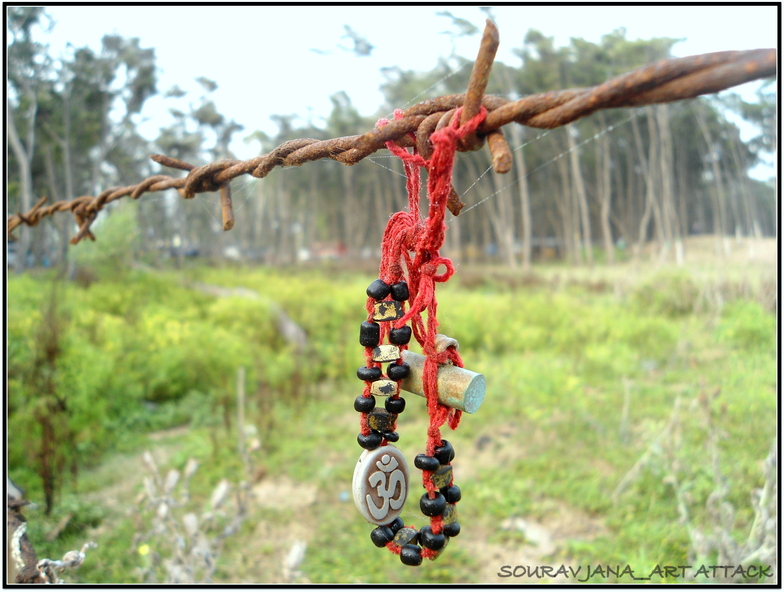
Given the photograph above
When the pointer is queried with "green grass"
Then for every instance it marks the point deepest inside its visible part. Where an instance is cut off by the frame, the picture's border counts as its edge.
(145, 352)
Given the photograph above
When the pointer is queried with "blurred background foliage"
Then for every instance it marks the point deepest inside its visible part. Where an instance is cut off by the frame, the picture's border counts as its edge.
(582, 378)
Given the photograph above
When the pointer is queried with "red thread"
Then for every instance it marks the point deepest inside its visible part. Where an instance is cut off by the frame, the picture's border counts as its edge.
(412, 244)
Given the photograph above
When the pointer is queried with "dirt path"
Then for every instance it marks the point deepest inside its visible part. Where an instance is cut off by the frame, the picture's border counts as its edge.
(283, 511)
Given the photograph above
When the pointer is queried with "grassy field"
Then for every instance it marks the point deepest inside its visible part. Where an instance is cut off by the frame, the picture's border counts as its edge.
(627, 418)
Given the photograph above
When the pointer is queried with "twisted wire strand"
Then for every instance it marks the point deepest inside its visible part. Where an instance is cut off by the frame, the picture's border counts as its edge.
(661, 82)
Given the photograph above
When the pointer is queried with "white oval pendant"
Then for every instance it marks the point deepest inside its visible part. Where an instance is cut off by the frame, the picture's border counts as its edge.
(380, 484)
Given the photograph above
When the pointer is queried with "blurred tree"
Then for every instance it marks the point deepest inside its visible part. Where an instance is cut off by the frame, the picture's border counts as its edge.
(28, 67)
(679, 172)
(362, 47)
(79, 115)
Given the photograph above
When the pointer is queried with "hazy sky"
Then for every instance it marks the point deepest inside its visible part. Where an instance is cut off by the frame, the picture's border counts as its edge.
(262, 60)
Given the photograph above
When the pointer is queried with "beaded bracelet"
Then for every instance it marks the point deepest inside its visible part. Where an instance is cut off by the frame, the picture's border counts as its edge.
(380, 483)
(381, 475)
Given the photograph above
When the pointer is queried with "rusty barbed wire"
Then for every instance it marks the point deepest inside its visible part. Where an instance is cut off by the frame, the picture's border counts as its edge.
(662, 82)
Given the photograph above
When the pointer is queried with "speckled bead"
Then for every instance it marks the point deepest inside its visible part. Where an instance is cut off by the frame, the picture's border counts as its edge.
(368, 374)
(442, 477)
(378, 290)
(398, 371)
(405, 536)
(432, 507)
(400, 336)
(370, 441)
(380, 420)
(395, 405)
(364, 404)
(399, 291)
(449, 515)
(369, 334)
(444, 453)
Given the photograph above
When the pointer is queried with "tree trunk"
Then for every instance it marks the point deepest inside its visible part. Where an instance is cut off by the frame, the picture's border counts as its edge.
(650, 195)
(604, 190)
(752, 215)
(720, 216)
(54, 196)
(749, 209)
(525, 198)
(350, 212)
(500, 211)
(654, 152)
(24, 156)
(564, 203)
(669, 213)
(260, 235)
(580, 194)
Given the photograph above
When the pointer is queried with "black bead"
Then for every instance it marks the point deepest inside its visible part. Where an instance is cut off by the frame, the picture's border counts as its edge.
(396, 524)
(423, 462)
(378, 290)
(444, 453)
(364, 404)
(368, 374)
(400, 336)
(391, 436)
(411, 555)
(432, 507)
(452, 494)
(452, 529)
(398, 371)
(369, 334)
(430, 539)
(394, 405)
(369, 442)
(399, 291)
(381, 535)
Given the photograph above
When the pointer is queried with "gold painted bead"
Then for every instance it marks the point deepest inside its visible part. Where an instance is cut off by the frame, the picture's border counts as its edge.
(384, 387)
(388, 310)
(386, 353)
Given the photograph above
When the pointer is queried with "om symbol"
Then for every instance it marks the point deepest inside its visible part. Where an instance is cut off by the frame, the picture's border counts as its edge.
(389, 473)
(381, 484)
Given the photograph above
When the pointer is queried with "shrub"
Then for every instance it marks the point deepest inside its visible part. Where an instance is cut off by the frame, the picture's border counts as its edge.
(672, 293)
(746, 325)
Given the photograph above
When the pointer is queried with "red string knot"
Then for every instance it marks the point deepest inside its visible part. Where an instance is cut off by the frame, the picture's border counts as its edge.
(429, 269)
